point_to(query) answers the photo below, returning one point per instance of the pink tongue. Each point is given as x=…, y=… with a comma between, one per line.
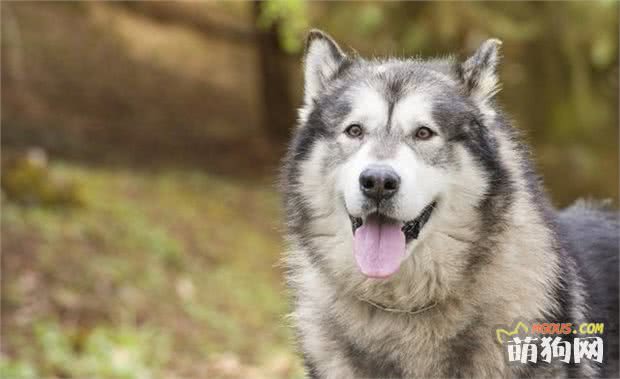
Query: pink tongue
x=379, y=247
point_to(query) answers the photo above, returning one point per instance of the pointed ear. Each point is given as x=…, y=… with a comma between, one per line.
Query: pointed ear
x=322, y=59
x=479, y=72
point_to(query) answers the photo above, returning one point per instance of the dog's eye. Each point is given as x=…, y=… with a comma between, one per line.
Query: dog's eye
x=423, y=133
x=354, y=131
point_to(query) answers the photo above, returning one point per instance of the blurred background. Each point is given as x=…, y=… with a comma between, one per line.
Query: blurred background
x=140, y=142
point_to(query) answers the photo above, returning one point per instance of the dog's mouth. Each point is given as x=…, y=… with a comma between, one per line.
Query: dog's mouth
x=380, y=241
x=411, y=228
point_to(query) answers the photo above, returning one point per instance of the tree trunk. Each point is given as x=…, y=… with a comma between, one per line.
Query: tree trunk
x=277, y=110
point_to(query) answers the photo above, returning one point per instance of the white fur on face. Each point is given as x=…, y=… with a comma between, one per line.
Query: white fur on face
x=348, y=180
x=420, y=182
x=368, y=108
x=414, y=110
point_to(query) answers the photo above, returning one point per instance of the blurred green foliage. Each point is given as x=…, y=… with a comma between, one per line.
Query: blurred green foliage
x=148, y=264
x=292, y=17
x=103, y=352
x=27, y=180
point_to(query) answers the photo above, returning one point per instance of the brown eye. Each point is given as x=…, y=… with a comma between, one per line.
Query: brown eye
x=354, y=131
x=424, y=133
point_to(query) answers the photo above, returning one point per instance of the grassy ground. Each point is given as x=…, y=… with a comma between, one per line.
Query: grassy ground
x=161, y=274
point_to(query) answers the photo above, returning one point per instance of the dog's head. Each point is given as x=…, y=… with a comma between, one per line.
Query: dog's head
x=387, y=151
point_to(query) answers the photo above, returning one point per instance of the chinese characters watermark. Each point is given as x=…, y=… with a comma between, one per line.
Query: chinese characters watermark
x=548, y=342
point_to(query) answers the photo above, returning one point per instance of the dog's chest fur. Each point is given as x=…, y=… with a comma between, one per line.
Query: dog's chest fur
x=362, y=341
x=343, y=337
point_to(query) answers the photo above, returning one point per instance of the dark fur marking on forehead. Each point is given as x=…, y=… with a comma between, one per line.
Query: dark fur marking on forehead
x=394, y=88
x=394, y=85
x=395, y=81
x=389, y=119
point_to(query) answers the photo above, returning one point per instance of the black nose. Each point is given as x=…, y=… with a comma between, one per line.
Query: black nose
x=379, y=182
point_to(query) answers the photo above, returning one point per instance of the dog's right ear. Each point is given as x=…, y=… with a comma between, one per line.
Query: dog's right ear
x=322, y=59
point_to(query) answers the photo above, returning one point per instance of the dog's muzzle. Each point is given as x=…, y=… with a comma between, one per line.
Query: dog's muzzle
x=411, y=228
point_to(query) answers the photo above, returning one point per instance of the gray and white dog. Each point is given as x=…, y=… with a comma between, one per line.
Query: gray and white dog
x=417, y=225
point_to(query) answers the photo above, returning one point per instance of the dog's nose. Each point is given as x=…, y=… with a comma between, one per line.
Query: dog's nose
x=379, y=182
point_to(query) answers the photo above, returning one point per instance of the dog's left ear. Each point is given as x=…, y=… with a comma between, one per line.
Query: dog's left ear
x=322, y=59
x=478, y=73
